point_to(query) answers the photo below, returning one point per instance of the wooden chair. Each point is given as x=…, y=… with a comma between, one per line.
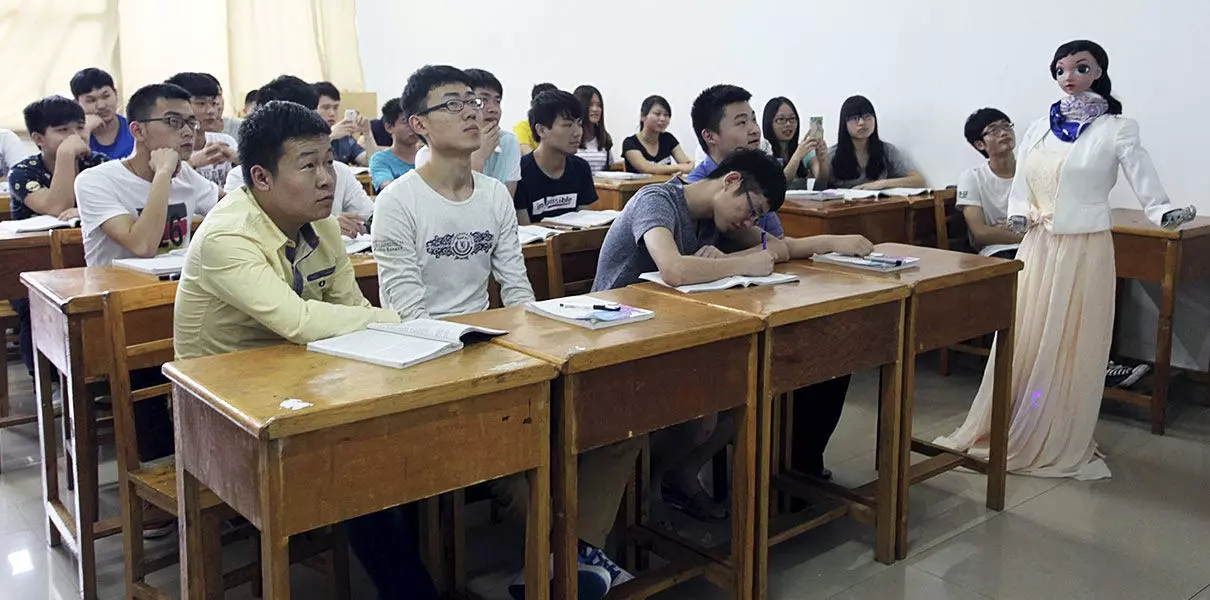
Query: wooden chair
x=952, y=234
x=155, y=483
x=66, y=248
x=571, y=261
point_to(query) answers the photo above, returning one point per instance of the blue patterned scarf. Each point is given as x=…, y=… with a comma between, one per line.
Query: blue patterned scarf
x=1073, y=114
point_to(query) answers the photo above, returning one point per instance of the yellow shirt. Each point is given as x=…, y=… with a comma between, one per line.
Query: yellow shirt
x=246, y=285
x=525, y=135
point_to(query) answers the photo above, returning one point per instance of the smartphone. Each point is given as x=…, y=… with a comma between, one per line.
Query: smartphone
x=351, y=114
x=816, y=128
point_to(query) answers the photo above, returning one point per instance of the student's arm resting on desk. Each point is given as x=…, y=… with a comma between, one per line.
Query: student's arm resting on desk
x=508, y=264
x=678, y=269
x=788, y=248
x=642, y=165
x=400, y=282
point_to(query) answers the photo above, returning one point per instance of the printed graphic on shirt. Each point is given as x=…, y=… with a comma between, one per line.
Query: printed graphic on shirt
x=460, y=246
x=176, y=228
x=963, y=194
x=557, y=202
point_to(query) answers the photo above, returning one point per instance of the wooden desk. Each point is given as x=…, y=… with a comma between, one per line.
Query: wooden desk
x=368, y=438
x=21, y=252
x=1149, y=253
x=921, y=221
x=803, y=322
x=366, y=182
x=615, y=384
x=955, y=297
x=6, y=207
x=881, y=220
x=613, y=194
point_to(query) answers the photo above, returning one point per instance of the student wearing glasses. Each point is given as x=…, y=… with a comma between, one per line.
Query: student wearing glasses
x=861, y=160
x=983, y=190
x=781, y=126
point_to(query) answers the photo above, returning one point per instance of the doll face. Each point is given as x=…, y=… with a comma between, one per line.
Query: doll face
x=1075, y=74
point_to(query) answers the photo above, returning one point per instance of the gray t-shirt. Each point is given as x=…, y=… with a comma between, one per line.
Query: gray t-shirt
x=624, y=256
x=898, y=164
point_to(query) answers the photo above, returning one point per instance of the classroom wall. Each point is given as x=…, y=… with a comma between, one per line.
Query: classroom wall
x=925, y=65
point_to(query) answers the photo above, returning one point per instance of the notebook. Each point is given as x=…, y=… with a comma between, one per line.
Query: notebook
x=620, y=175
x=583, y=219
x=38, y=223
x=725, y=283
x=820, y=196
x=855, y=194
x=361, y=243
x=875, y=261
x=904, y=192
x=534, y=233
x=588, y=312
x=401, y=345
x=169, y=263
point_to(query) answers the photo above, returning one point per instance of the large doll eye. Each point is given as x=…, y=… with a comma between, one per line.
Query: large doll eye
x=1083, y=69
x=1059, y=71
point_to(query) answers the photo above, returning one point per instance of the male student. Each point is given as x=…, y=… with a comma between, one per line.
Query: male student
x=44, y=183
x=141, y=206
x=230, y=124
x=393, y=162
x=344, y=146
x=983, y=190
x=554, y=180
x=214, y=152
x=525, y=133
x=685, y=231
x=352, y=206
x=268, y=266
x=440, y=232
x=723, y=120
x=249, y=103
x=109, y=132
x=499, y=155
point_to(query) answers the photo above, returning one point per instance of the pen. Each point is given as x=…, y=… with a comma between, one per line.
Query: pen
x=609, y=307
x=763, y=245
x=885, y=260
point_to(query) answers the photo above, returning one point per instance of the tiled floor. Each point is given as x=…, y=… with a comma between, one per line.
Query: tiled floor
x=1139, y=536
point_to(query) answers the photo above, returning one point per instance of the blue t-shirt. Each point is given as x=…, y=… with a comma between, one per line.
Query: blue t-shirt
x=769, y=222
x=346, y=150
x=122, y=146
x=385, y=167
x=504, y=165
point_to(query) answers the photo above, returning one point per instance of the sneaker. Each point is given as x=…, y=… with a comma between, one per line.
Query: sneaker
x=1136, y=374
x=592, y=581
x=155, y=531
x=595, y=556
x=1124, y=376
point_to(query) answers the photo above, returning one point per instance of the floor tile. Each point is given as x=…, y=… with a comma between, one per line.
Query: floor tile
x=907, y=583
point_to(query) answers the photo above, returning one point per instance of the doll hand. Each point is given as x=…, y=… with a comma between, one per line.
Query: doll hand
x=1175, y=218
x=1018, y=225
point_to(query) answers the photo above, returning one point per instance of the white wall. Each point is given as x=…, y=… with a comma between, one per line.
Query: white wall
x=925, y=65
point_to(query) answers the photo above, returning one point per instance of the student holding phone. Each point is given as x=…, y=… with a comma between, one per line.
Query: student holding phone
x=345, y=148
x=801, y=160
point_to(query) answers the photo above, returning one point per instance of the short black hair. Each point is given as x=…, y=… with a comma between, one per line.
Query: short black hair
x=708, y=108
x=197, y=84
x=551, y=105
x=539, y=88
x=51, y=111
x=978, y=121
x=89, y=79
x=484, y=79
x=263, y=135
x=424, y=80
x=761, y=174
x=142, y=101
x=290, y=89
x=391, y=111
x=251, y=96
x=325, y=88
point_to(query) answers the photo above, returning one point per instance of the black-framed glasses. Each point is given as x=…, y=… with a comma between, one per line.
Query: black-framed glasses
x=785, y=120
x=455, y=106
x=998, y=128
x=176, y=122
x=752, y=208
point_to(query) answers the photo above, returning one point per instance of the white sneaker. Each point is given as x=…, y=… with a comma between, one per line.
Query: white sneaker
x=593, y=582
x=595, y=556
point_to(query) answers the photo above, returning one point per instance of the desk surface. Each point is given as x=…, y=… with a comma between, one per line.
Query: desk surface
x=938, y=268
x=33, y=239
x=628, y=185
x=678, y=324
x=79, y=290
x=248, y=387
x=817, y=293
x=842, y=208
x=1135, y=222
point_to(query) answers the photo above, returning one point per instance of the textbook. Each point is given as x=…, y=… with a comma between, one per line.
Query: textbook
x=167, y=264
x=361, y=243
x=821, y=196
x=402, y=345
x=875, y=261
x=725, y=283
x=38, y=223
x=583, y=219
x=620, y=175
x=588, y=312
x=534, y=233
x=904, y=192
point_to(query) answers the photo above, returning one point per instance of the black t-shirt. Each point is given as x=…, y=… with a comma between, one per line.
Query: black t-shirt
x=542, y=196
x=668, y=143
x=31, y=175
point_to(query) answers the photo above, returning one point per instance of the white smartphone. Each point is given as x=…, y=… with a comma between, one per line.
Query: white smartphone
x=351, y=114
x=816, y=128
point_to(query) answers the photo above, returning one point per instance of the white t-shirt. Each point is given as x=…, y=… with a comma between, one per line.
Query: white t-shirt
x=12, y=151
x=217, y=172
x=350, y=195
x=435, y=255
x=597, y=157
x=110, y=190
x=980, y=186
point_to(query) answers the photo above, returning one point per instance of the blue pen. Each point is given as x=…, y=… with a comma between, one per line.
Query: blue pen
x=763, y=245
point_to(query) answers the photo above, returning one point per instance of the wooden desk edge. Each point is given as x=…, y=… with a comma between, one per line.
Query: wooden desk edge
x=806, y=312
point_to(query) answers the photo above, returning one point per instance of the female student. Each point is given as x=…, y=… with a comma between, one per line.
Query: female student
x=1067, y=163
x=596, y=146
x=653, y=150
x=780, y=126
x=861, y=160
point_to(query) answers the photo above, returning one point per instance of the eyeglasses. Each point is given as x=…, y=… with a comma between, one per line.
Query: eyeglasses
x=454, y=106
x=785, y=120
x=859, y=118
x=176, y=122
x=998, y=128
x=752, y=208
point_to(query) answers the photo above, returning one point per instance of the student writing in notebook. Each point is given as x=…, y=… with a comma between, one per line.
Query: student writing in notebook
x=344, y=130
x=352, y=206
x=109, y=132
x=653, y=149
x=596, y=145
x=554, y=179
x=395, y=160
x=983, y=190
x=861, y=160
x=524, y=133
x=141, y=206
x=724, y=121
x=214, y=152
x=694, y=233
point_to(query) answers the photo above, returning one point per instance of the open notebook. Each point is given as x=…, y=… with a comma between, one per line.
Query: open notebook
x=402, y=345
x=589, y=312
x=583, y=219
x=875, y=261
x=167, y=264
x=361, y=243
x=820, y=196
x=38, y=223
x=620, y=175
x=724, y=283
x=534, y=233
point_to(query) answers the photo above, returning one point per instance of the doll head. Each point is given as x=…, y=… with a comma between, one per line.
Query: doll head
x=1083, y=66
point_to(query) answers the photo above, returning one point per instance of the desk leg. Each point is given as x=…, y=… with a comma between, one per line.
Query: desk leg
x=537, y=535
x=78, y=407
x=764, y=463
x=1002, y=401
x=201, y=558
x=889, y=531
x=1163, y=338
x=565, y=482
x=907, y=398
x=743, y=484
x=47, y=446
